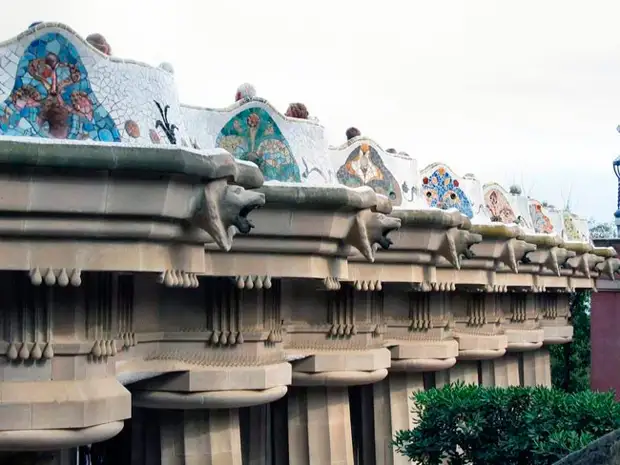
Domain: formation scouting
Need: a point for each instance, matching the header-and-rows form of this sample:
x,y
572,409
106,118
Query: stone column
x,y
319,426
465,371
537,368
393,412
64,457
257,450
200,437
501,372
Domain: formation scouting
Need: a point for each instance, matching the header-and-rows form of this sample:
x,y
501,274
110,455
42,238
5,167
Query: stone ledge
x,y
62,404
347,361
55,439
207,400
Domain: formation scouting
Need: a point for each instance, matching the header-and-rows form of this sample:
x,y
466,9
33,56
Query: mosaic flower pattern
x,y
571,230
498,205
542,223
52,96
441,191
364,167
253,135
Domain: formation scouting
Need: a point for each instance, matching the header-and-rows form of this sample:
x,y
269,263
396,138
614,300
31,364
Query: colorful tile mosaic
x,y
52,96
253,135
364,167
441,191
542,223
570,228
500,208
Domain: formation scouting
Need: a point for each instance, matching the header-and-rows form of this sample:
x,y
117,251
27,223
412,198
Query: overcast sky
x,y
523,91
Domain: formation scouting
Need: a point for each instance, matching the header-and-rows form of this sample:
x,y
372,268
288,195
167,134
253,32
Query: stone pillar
x,y
465,371
393,412
257,450
537,368
319,426
501,372
64,457
200,437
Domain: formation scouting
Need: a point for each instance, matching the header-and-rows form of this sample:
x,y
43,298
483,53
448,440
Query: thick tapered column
x,y
501,372
537,368
393,412
319,426
200,437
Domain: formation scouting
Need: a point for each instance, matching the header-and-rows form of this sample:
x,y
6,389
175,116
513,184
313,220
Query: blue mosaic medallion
x,y
254,136
441,191
52,96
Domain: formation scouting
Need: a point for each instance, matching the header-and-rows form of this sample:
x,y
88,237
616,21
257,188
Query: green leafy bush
x,y
508,426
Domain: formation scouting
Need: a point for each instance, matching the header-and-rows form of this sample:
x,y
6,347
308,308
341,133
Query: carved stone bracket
x,y
427,286
226,338
332,284
552,258
62,277
456,243
222,207
177,278
609,267
104,348
367,285
584,263
370,229
129,339
342,330
496,288
253,282
29,351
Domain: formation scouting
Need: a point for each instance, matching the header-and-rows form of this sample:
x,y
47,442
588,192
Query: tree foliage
x,y
602,230
570,363
509,426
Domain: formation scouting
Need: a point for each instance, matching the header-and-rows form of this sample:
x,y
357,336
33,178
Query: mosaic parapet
x,y
94,190
285,149
362,162
53,84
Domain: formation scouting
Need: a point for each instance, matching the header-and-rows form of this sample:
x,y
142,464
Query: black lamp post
x,y
616,165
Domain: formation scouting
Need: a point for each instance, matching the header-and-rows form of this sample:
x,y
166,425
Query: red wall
x,y
605,331
605,340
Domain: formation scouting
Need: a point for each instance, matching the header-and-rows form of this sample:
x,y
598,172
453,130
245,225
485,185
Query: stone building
x,y
183,285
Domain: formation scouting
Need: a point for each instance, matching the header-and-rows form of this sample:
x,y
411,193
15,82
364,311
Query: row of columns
x,y
311,425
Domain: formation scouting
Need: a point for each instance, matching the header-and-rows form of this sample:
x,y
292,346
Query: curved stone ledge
x,y
431,218
36,405
341,360
187,377
558,334
522,340
328,198
207,400
338,378
481,346
54,439
155,159
417,365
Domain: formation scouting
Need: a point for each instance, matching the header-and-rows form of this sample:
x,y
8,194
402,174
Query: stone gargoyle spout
x,y
457,242
222,209
609,267
514,251
369,231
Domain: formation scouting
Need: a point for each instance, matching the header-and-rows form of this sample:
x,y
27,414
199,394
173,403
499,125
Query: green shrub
x,y
508,426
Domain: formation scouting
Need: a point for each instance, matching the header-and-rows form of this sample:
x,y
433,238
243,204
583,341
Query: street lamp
x,y
616,165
